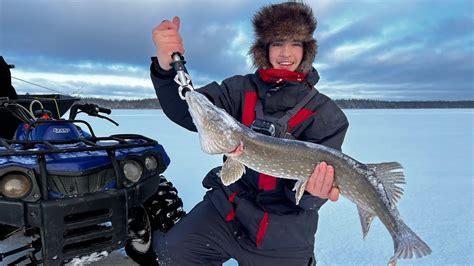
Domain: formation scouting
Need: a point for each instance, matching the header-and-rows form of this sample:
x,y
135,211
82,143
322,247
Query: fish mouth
x,y
197,110
194,104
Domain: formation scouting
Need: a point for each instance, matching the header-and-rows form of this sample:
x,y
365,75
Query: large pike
x,y
374,188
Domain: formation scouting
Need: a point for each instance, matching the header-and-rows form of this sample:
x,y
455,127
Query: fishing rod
x,y
34,84
29,82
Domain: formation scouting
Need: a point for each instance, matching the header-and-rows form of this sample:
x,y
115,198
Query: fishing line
x,y
44,87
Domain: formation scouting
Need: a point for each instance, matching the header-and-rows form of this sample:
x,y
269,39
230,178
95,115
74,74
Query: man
x,y
7,120
256,220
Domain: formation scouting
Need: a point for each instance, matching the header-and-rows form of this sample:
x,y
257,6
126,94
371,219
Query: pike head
x,y
219,133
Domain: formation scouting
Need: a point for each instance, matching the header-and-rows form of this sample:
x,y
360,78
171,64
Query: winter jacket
x,y
7,120
262,206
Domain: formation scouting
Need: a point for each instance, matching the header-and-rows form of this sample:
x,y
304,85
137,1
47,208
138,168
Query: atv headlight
x,y
151,163
15,185
132,170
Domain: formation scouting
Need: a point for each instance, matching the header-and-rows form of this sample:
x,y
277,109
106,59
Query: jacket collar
x,y
312,78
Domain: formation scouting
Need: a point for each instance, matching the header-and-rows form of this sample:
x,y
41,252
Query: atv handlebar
x,y
105,110
90,109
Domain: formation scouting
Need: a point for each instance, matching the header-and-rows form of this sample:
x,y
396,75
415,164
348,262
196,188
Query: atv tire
x,y
165,208
159,213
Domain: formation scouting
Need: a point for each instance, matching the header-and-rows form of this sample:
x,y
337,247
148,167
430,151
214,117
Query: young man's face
x,y
285,54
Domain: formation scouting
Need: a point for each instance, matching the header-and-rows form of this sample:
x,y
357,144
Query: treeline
x,y
344,104
152,103
376,104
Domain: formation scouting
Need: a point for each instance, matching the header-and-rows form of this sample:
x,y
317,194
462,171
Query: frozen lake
x,y
434,145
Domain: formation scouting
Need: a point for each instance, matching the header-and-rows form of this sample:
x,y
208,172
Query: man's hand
x,y
167,41
320,183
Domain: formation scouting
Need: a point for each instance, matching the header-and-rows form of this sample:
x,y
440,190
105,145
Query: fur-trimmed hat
x,y
293,21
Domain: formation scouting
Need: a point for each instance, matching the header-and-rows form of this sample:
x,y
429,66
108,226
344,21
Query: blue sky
x,y
368,49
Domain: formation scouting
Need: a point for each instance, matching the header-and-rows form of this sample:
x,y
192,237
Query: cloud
x,y
385,50
97,85
407,57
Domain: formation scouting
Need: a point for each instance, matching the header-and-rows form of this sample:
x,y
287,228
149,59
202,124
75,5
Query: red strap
x,y
231,214
262,229
266,182
299,117
248,113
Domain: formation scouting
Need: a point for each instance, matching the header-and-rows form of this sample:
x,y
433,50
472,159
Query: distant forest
x,y
344,104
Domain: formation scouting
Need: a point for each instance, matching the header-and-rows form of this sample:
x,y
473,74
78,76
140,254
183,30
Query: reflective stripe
x,y
262,229
232,197
231,214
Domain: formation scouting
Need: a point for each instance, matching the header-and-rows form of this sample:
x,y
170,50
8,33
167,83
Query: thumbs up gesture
x,y
167,41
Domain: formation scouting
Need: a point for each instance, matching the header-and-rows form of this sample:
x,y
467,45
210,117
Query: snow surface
x,y
435,146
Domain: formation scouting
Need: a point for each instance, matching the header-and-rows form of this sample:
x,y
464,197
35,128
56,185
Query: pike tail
x,y
407,244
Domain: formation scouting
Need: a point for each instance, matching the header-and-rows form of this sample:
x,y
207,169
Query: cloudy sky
x,y
368,49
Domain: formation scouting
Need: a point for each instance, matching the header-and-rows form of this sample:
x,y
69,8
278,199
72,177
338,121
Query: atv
x,y
75,195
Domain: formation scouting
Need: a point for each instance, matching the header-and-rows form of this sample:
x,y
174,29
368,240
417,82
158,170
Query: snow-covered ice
x,y
435,147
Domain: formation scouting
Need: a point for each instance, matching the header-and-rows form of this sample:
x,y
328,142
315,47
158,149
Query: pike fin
x,y
208,146
232,170
391,176
299,187
366,218
407,244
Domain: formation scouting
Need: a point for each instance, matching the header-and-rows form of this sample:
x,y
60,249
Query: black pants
x,y
203,238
